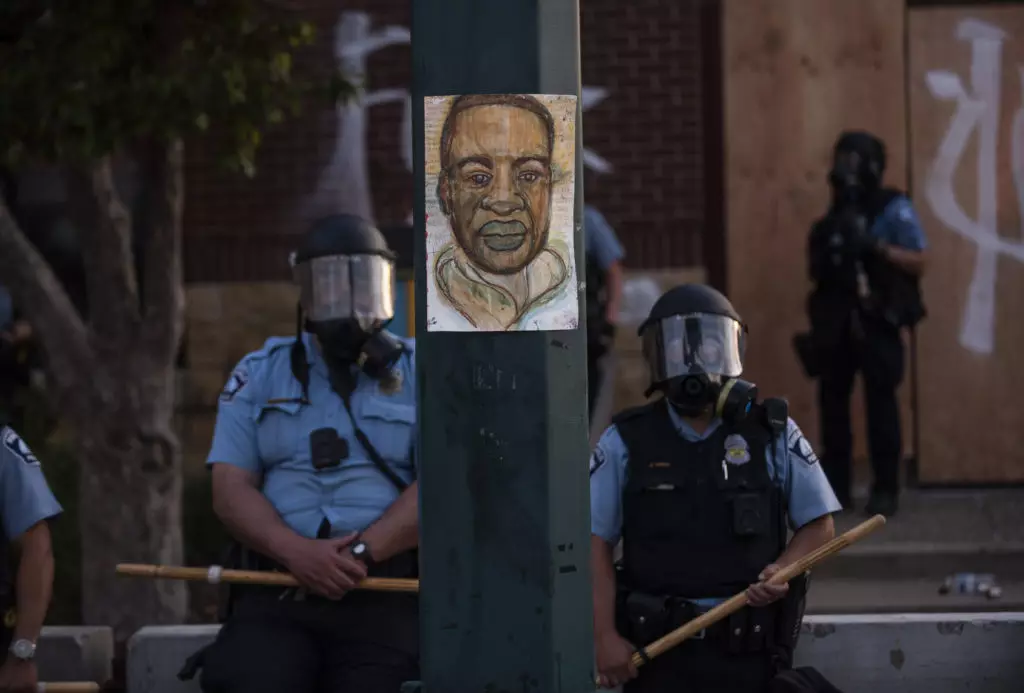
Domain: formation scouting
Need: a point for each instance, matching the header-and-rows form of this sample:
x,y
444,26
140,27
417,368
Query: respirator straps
x,y
363,439
723,396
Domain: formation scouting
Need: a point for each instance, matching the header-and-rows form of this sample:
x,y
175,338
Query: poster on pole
x,y
500,182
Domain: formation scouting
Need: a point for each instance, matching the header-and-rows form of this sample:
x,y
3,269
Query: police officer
x,y
26,504
313,472
604,293
866,257
699,484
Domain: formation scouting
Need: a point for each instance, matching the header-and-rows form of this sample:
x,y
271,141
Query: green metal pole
x,y
503,444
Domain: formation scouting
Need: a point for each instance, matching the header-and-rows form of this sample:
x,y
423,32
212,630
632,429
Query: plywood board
x,y
967,134
798,72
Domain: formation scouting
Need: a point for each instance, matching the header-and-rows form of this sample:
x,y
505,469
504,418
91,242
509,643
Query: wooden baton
x,y
737,602
68,687
734,604
215,574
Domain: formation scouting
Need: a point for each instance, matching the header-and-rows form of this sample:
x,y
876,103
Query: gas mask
x,y
856,168
347,301
847,179
696,360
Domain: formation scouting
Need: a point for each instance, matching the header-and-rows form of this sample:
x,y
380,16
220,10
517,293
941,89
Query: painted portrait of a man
x,y
501,264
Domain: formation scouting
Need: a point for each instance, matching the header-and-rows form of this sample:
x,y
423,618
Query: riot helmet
x,y
345,273
857,165
694,343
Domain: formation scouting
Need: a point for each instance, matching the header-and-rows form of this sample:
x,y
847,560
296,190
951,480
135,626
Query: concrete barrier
x,y
76,653
917,653
899,653
157,653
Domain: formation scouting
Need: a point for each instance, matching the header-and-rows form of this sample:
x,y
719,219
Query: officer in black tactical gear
x,y
866,257
314,473
700,485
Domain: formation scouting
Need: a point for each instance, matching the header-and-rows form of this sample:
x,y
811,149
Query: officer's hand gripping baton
x,y
734,604
215,574
69,687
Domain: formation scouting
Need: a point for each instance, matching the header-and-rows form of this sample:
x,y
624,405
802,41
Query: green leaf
x,y
157,69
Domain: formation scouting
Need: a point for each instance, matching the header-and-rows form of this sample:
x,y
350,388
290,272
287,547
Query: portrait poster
x,y
500,183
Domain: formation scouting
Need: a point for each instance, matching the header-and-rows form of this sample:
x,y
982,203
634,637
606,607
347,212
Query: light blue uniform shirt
x,y
599,239
793,467
25,497
262,428
899,225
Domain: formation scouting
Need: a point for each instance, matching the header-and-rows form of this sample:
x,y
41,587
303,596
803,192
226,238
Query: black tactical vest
x,y
895,296
700,519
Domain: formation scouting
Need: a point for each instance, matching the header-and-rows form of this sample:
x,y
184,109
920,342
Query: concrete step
x,y
907,561
880,596
937,533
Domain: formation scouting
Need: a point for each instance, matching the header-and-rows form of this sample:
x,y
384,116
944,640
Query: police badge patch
x,y
801,447
239,378
737,451
14,443
596,460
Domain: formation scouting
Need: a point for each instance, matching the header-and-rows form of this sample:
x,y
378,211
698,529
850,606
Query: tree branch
x,y
109,261
47,307
162,284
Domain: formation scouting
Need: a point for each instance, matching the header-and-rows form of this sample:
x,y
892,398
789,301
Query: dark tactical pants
x,y
365,643
697,666
740,654
880,360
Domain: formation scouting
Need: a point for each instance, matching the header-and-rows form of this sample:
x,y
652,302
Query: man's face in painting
x,y
497,188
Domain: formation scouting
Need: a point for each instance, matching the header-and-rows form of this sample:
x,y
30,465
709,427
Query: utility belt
x,y
384,616
643,618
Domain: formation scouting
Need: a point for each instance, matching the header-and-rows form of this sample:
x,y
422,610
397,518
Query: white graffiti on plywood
x,y
344,186
977,110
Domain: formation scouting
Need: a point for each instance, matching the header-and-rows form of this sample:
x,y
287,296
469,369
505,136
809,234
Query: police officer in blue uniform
x,y
866,257
26,506
604,293
314,473
700,485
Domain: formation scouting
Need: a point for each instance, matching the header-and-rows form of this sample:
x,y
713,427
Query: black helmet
x,y
342,234
859,159
345,271
693,341
690,298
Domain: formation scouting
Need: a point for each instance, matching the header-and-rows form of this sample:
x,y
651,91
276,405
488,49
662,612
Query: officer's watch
x,y
361,551
23,650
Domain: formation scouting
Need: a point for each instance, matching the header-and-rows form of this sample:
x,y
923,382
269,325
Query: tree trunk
x,y
130,512
112,379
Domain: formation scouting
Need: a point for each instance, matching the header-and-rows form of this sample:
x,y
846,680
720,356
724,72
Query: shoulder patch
x,y
597,460
799,445
13,442
905,211
238,380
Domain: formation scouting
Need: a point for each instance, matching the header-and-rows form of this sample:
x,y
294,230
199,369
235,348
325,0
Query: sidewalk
x,y
936,533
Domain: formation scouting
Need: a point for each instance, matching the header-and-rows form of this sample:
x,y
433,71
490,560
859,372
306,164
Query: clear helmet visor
x,y
337,287
683,345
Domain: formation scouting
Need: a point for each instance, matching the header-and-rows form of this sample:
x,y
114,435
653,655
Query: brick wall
x,y
649,56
